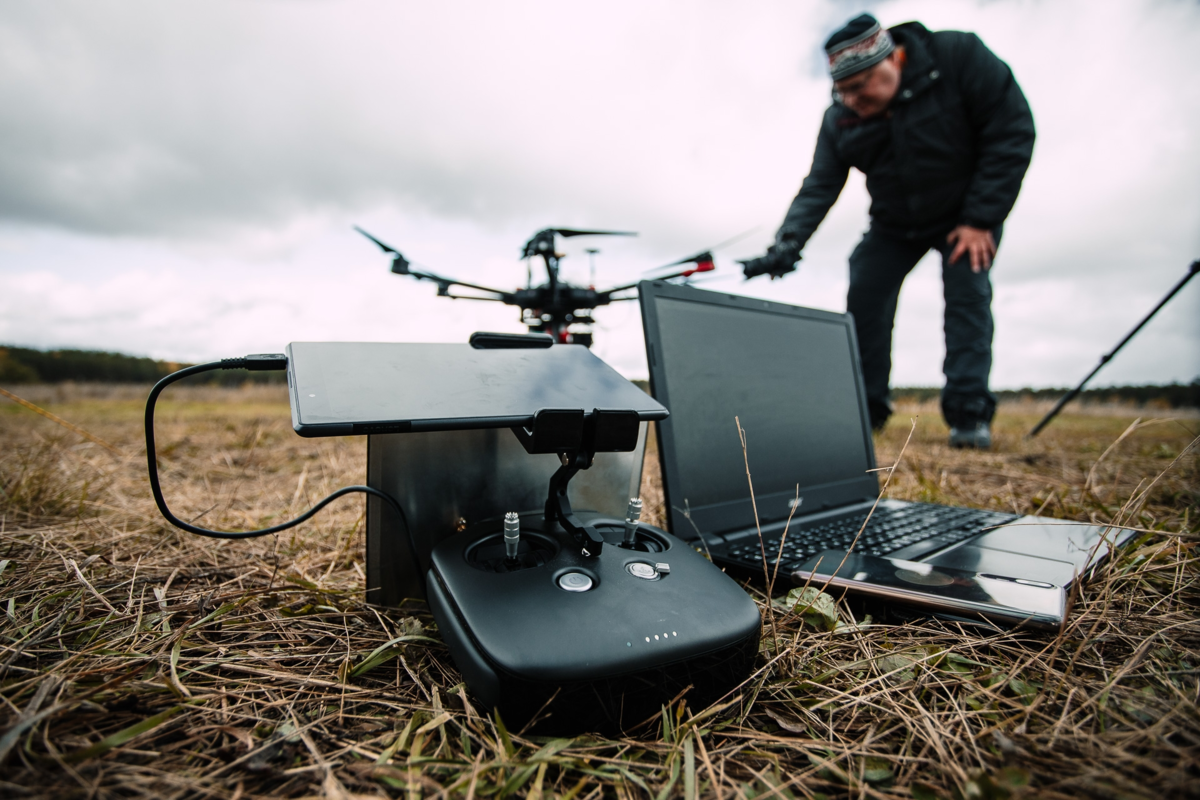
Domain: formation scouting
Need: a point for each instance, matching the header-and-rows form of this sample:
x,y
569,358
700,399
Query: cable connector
x,y
260,362
263,362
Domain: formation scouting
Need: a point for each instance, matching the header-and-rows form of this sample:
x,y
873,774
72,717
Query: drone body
x,y
554,306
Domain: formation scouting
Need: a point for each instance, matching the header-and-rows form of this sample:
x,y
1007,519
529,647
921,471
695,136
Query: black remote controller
x,y
540,627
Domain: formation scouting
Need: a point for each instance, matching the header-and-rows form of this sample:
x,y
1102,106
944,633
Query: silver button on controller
x,y
644,571
575,582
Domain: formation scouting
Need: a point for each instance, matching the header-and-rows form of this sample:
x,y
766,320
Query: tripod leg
x,y
1071,395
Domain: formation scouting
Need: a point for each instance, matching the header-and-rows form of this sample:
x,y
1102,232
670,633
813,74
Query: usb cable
x,y
255,363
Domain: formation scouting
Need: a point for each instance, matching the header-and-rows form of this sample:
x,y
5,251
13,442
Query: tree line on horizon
x,y
20,365
1171,395
23,365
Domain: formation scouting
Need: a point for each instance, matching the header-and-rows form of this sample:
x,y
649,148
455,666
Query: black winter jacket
x,y
952,148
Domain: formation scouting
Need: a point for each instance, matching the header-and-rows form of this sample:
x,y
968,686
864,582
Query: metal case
x,y
447,480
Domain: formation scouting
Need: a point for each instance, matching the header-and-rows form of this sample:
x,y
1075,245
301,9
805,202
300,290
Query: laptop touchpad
x,y
1001,562
1056,539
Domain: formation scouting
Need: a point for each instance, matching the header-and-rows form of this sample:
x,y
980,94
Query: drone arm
x,y
500,295
476,297
446,283
700,266
704,266
605,294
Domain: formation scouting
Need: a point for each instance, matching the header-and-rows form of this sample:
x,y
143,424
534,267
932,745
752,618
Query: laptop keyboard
x,y
917,528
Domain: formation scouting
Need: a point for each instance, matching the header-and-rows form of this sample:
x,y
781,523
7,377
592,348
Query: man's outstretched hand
x,y
975,242
777,262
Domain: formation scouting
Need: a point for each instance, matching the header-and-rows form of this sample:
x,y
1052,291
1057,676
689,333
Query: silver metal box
x,y
446,480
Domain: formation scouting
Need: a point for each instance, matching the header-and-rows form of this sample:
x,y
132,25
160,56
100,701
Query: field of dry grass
x,y
138,661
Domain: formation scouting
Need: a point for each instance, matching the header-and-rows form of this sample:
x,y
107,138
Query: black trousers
x,y
878,266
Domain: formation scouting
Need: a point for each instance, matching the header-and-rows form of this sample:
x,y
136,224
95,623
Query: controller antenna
x,y
512,536
631,521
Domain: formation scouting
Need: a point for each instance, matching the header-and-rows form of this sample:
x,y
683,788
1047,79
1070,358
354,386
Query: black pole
x,y
1071,395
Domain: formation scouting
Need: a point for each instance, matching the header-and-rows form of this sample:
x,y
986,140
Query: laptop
x,y
792,378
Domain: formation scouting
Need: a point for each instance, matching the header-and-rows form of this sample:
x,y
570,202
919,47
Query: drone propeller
x,y
385,248
400,264
712,278
703,257
568,232
703,261
542,242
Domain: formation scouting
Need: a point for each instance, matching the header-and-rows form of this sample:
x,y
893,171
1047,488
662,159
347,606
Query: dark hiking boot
x,y
977,436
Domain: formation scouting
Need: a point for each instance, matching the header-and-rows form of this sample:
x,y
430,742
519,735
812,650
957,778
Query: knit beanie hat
x,y
860,44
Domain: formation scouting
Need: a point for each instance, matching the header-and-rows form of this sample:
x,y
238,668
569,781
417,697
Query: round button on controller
x,y
575,582
644,571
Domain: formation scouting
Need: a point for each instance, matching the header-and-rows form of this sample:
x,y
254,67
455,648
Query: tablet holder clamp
x,y
576,438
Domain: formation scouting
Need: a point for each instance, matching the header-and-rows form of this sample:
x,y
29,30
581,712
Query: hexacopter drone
x,y
554,306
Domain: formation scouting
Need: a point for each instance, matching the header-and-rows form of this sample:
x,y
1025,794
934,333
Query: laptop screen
x,y
789,374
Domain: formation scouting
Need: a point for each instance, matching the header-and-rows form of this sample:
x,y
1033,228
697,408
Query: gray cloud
x,y
153,119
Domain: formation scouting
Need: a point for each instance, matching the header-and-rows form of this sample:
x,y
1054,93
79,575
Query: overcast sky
x,y
179,180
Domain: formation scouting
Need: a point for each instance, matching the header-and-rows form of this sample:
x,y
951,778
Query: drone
x,y
554,306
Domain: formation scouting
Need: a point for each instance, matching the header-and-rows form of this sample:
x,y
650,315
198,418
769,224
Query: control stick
x,y
512,536
631,521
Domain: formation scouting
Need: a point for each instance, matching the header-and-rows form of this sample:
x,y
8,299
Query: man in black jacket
x,y
944,135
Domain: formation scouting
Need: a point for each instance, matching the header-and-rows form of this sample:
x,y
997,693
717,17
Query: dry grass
x,y
139,661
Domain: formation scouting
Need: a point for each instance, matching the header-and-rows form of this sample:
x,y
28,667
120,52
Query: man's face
x,y
868,93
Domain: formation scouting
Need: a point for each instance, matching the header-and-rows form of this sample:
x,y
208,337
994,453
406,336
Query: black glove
x,y
779,260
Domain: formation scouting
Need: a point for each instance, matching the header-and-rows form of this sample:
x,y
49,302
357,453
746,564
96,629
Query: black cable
x,y
253,363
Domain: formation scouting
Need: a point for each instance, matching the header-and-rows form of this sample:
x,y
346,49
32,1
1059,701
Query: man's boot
x,y
978,437
969,419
